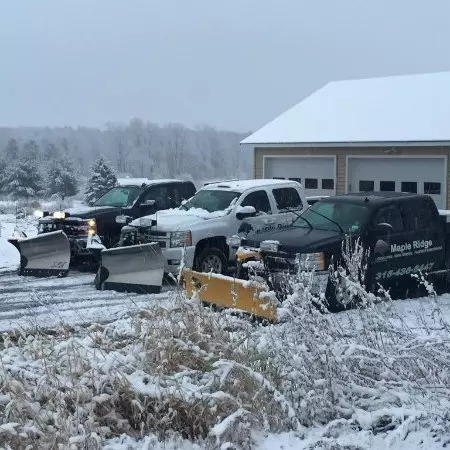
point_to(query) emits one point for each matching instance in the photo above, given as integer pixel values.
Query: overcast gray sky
(234, 64)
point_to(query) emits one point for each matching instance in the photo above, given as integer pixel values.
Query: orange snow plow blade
(227, 292)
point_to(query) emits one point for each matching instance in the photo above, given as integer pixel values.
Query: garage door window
(432, 188)
(387, 186)
(311, 183)
(328, 183)
(298, 180)
(409, 186)
(278, 178)
(287, 198)
(366, 186)
(259, 200)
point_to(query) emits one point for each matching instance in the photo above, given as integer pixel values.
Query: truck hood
(91, 212)
(298, 240)
(177, 219)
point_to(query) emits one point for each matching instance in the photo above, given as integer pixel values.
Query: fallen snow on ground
(9, 256)
(135, 365)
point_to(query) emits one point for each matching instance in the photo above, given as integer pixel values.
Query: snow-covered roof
(244, 185)
(144, 181)
(411, 108)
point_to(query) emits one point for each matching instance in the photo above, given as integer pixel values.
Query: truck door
(387, 233)
(289, 205)
(264, 220)
(425, 235)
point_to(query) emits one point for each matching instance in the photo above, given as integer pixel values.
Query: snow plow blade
(226, 292)
(44, 255)
(137, 268)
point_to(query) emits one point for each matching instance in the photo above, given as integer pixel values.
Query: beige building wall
(341, 158)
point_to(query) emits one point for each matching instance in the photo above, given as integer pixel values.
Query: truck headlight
(92, 224)
(38, 213)
(269, 246)
(234, 241)
(145, 222)
(311, 261)
(180, 238)
(59, 215)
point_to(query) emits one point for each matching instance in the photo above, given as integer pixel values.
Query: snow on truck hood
(81, 210)
(178, 218)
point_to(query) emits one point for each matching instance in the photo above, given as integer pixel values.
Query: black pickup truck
(90, 228)
(404, 234)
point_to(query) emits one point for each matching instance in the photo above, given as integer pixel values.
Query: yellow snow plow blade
(227, 292)
(44, 255)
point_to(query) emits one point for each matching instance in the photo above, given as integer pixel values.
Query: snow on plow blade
(44, 255)
(137, 268)
(227, 292)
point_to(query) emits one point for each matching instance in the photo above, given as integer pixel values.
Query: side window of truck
(187, 190)
(259, 200)
(391, 215)
(161, 195)
(419, 215)
(287, 198)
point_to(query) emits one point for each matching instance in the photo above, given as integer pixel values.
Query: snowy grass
(179, 375)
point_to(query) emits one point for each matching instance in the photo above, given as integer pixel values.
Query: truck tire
(211, 259)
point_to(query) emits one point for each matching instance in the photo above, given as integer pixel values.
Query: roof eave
(349, 144)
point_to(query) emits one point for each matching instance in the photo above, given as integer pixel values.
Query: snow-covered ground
(394, 416)
(46, 302)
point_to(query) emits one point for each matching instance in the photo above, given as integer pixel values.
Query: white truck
(196, 233)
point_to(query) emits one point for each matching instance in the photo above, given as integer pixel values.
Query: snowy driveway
(49, 302)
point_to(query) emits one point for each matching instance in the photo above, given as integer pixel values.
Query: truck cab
(403, 234)
(196, 233)
(92, 228)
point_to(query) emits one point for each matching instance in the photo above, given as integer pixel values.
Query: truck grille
(70, 229)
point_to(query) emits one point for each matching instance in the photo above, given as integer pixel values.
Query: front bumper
(175, 257)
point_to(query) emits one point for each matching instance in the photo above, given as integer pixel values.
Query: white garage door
(316, 174)
(399, 174)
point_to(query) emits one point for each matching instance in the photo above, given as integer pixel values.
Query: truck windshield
(120, 196)
(211, 200)
(334, 216)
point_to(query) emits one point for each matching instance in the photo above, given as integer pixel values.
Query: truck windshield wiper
(331, 220)
(299, 216)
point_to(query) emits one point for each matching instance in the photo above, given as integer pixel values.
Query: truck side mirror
(245, 211)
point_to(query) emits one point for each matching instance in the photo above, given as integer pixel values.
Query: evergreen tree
(12, 151)
(23, 179)
(101, 181)
(2, 176)
(61, 179)
(31, 150)
(51, 152)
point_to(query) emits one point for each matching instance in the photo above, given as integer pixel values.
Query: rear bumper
(174, 256)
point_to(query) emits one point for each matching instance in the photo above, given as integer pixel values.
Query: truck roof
(244, 185)
(145, 181)
(374, 197)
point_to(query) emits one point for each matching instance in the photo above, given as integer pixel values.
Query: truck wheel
(211, 259)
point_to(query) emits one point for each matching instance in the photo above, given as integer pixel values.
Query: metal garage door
(316, 174)
(400, 174)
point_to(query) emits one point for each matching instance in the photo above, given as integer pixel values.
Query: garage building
(378, 134)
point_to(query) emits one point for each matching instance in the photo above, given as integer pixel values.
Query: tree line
(57, 161)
